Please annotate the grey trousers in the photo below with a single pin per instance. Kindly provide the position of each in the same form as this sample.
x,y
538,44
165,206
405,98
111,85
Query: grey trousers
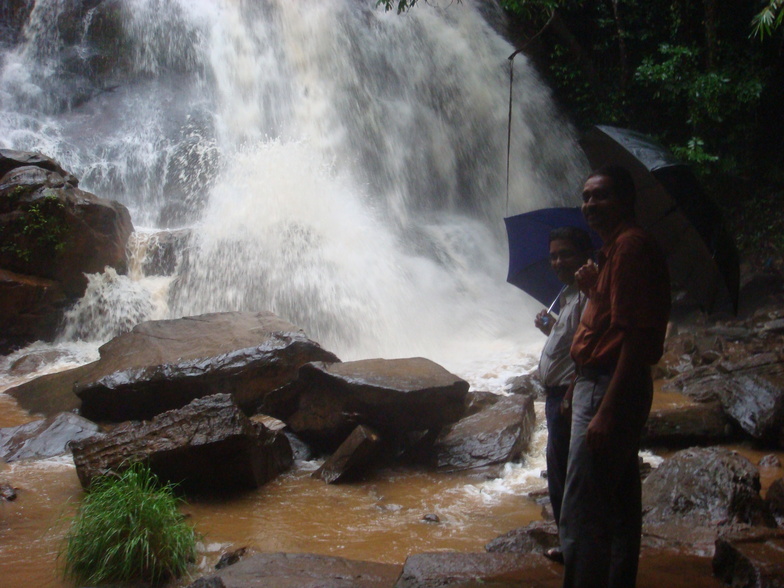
x,y
601,516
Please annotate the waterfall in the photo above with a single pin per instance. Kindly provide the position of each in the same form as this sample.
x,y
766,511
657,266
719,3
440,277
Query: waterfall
x,y
341,166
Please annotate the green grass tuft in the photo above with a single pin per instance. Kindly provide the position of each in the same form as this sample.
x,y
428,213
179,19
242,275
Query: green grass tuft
x,y
128,528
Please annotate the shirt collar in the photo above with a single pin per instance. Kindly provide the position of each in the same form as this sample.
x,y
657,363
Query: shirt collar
x,y
607,245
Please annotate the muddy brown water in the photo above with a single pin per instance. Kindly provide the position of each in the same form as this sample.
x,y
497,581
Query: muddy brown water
x,y
379,519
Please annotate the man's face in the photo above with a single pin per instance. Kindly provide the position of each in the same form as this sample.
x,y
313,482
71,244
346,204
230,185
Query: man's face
x,y
601,207
565,259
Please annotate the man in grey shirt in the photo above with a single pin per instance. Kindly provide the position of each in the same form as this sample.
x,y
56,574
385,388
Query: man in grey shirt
x,y
570,249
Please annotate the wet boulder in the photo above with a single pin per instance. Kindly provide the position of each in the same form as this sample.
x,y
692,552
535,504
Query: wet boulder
x,y
301,570
352,459
51,229
775,500
32,309
162,365
478,400
498,434
689,424
750,557
703,487
11,159
537,537
50,394
207,446
702,384
755,401
434,570
327,401
528,384
44,438
51,235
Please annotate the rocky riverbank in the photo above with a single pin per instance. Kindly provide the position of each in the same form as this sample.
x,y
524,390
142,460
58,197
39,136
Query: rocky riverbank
x,y
225,402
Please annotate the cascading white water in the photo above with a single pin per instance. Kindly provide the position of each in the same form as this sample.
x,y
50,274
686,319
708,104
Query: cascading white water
x,y
338,165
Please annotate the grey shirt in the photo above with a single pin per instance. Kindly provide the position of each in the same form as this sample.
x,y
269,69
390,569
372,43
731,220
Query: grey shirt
x,y
556,366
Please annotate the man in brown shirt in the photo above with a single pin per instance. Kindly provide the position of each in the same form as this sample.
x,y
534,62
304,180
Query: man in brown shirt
x,y
621,334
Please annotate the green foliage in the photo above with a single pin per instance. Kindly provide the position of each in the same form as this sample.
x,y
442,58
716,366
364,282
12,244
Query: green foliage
x,y
768,19
703,100
128,528
41,227
44,223
758,226
694,152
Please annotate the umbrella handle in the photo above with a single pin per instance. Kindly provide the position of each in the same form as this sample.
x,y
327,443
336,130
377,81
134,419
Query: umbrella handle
x,y
556,299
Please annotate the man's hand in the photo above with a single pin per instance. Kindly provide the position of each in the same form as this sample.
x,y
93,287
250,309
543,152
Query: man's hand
x,y
597,435
544,322
586,277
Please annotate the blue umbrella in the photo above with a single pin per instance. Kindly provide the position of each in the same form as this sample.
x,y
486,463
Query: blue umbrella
x,y
529,250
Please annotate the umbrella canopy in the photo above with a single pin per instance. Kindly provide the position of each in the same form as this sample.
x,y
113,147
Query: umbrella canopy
x,y
688,225
529,249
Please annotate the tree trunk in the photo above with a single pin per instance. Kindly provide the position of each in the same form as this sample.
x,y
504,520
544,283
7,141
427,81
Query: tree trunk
x,y
622,54
710,33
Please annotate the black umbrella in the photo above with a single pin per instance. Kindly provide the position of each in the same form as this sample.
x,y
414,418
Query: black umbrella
x,y
688,225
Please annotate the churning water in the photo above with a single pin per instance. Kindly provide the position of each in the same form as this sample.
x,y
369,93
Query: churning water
x,y
338,165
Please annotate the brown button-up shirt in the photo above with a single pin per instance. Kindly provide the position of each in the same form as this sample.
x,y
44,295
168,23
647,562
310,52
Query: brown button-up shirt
x,y
631,291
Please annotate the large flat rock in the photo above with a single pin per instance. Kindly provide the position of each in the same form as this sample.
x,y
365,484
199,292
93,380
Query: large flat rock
x,y
658,568
44,438
301,570
50,394
162,365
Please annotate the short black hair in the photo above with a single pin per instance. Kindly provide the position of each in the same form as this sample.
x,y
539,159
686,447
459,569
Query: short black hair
x,y
622,181
579,238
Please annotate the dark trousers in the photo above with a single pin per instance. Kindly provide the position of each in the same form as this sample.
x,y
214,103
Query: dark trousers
x,y
601,516
558,434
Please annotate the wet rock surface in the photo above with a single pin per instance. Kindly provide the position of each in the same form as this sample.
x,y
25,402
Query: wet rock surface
x,y
301,570
162,365
352,459
752,558
705,486
744,373
694,424
44,438
327,401
775,500
50,394
499,433
430,570
207,446
537,537
51,235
